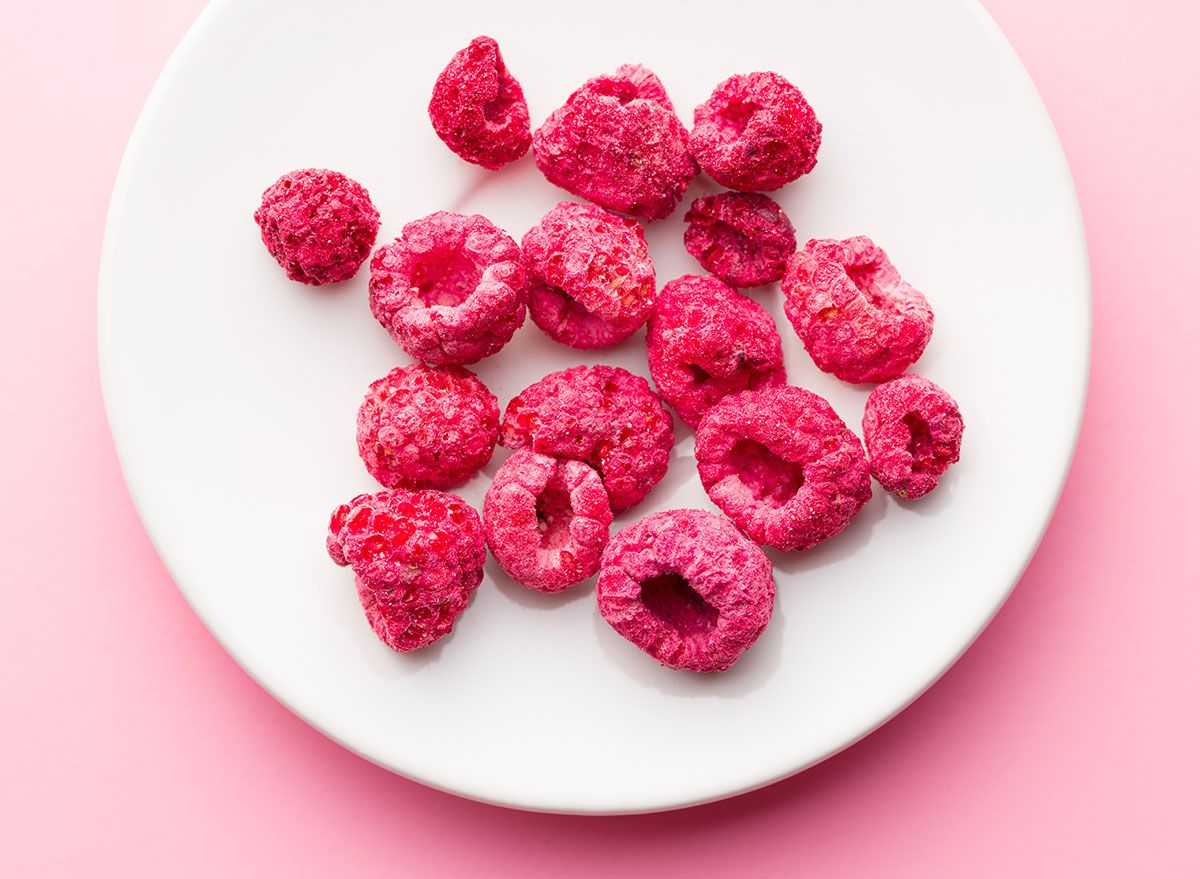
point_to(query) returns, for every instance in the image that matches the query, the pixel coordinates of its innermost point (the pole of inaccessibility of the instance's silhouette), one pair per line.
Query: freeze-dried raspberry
(706, 341)
(417, 557)
(319, 225)
(450, 289)
(743, 238)
(427, 427)
(618, 142)
(687, 588)
(591, 281)
(913, 431)
(755, 133)
(856, 317)
(602, 415)
(478, 109)
(546, 520)
(782, 465)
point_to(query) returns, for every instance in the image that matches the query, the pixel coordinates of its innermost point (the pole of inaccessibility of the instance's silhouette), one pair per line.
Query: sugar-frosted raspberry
(744, 238)
(319, 225)
(591, 281)
(856, 317)
(602, 415)
(450, 289)
(546, 520)
(706, 341)
(478, 109)
(427, 427)
(782, 465)
(913, 432)
(687, 588)
(755, 133)
(618, 142)
(417, 558)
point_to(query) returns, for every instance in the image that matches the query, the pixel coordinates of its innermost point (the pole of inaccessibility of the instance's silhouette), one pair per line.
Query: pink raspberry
(706, 341)
(417, 559)
(319, 225)
(913, 432)
(546, 520)
(782, 465)
(743, 238)
(755, 133)
(450, 289)
(602, 415)
(478, 109)
(591, 281)
(427, 427)
(687, 588)
(856, 317)
(618, 142)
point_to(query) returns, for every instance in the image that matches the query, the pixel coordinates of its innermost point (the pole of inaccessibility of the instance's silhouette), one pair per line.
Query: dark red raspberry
(743, 238)
(913, 431)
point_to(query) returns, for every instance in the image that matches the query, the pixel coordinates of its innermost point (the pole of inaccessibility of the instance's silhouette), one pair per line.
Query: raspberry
(478, 109)
(546, 520)
(591, 282)
(602, 415)
(319, 225)
(427, 427)
(743, 238)
(913, 432)
(687, 588)
(417, 558)
(450, 289)
(755, 133)
(705, 341)
(857, 318)
(782, 465)
(618, 142)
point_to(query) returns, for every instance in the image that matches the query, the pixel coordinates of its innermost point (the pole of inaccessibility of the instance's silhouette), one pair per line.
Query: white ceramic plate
(232, 391)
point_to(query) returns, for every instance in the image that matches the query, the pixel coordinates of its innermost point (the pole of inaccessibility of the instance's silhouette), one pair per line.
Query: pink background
(1063, 744)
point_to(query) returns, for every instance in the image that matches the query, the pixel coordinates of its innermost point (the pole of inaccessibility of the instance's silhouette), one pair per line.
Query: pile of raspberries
(691, 588)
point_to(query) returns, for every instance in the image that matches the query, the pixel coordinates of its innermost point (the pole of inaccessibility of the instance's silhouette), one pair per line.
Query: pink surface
(1063, 744)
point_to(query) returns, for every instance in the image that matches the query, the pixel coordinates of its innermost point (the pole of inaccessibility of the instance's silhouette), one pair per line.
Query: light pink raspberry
(913, 431)
(743, 238)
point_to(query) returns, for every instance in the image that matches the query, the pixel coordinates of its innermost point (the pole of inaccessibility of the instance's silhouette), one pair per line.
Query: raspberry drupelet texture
(744, 238)
(546, 520)
(618, 142)
(706, 341)
(427, 427)
(856, 317)
(755, 133)
(590, 278)
(319, 225)
(450, 289)
(913, 432)
(602, 415)
(783, 466)
(687, 588)
(417, 558)
(478, 109)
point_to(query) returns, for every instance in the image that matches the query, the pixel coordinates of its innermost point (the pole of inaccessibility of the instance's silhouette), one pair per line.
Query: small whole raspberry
(546, 520)
(602, 415)
(618, 142)
(744, 238)
(319, 225)
(427, 427)
(913, 432)
(857, 319)
(706, 341)
(591, 281)
(685, 587)
(478, 109)
(755, 133)
(782, 465)
(450, 289)
(417, 558)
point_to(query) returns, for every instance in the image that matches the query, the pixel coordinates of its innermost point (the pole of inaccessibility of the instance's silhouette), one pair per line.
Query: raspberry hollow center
(554, 514)
(671, 598)
(920, 443)
(771, 479)
(735, 116)
(445, 277)
(864, 278)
